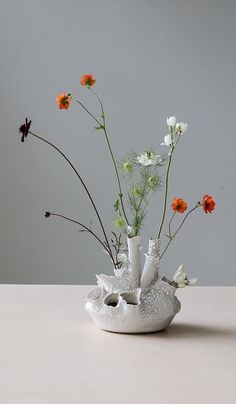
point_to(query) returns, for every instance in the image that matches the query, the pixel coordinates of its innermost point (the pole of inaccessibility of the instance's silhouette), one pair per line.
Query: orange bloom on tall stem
(87, 80)
(179, 205)
(208, 203)
(63, 100)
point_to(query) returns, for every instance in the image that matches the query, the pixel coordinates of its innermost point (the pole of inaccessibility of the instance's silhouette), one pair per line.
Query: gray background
(151, 59)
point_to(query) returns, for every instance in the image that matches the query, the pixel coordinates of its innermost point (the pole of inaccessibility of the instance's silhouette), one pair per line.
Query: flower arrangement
(134, 299)
(141, 172)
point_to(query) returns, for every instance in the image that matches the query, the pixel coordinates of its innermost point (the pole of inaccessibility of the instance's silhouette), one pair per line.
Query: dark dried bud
(47, 214)
(24, 129)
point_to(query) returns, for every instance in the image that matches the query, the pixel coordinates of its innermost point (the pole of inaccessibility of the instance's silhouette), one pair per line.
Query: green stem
(166, 192)
(82, 105)
(178, 229)
(103, 126)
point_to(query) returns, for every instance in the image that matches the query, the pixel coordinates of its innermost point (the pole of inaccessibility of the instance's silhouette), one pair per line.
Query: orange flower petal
(63, 100)
(87, 80)
(179, 205)
(208, 203)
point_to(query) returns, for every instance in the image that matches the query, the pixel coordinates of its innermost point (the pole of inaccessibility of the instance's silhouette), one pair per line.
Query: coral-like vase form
(134, 300)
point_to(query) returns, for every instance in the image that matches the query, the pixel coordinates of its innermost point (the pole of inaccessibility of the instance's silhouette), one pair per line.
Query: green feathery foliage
(143, 181)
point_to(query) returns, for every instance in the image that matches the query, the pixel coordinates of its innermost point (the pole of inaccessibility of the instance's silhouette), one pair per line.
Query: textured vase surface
(134, 300)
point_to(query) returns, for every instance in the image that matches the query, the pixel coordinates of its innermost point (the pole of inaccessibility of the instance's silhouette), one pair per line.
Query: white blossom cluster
(175, 130)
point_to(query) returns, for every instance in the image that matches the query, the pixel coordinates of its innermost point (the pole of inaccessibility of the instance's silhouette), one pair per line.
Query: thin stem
(172, 217)
(117, 176)
(103, 126)
(181, 224)
(82, 105)
(99, 100)
(84, 227)
(166, 192)
(82, 182)
(174, 144)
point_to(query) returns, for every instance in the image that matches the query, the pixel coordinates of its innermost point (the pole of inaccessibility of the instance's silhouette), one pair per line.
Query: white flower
(180, 277)
(148, 159)
(167, 140)
(171, 121)
(123, 259)
(192, 281)
(181, 127)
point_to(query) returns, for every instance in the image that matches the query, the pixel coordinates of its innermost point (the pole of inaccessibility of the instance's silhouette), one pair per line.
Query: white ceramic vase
(134, 300)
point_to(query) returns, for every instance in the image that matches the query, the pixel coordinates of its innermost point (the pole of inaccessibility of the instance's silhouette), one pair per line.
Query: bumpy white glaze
(131, 302)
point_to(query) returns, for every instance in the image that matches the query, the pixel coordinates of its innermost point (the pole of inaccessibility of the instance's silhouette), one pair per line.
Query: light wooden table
(51, 352)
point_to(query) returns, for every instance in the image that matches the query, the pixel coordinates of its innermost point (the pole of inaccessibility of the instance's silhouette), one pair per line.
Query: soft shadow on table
(184, 330)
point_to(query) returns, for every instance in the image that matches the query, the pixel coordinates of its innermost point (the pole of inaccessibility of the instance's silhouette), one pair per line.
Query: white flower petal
(181, 127)
(167, 140)
(148, 159)
(171, 121)
(179, 276)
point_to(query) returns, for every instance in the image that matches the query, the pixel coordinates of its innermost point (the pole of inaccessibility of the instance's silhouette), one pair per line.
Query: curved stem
(103, 126)
(83, 226)
(99, 100)
(82, 105)
(166, 192)
(82, 182)
(181, 224)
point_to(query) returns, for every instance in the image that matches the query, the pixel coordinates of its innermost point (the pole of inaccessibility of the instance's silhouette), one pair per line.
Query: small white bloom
(171, 121)
(181, 127)
(192, 281)
(180, 277)
(167, 140)
(148, 159)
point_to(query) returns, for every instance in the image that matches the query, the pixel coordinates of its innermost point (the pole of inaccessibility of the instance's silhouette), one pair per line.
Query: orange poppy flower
(63, 100)
(87, 80)
(179, 205)
(208, 203)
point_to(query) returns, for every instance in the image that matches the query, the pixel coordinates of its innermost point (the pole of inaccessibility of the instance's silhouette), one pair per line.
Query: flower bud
(136, 191)
(171, 121)
(128, 167)
(119, 222)
(181, 127)
(167, 141)
(153, 181)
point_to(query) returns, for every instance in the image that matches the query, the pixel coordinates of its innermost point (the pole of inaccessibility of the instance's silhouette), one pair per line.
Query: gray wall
(151, 59)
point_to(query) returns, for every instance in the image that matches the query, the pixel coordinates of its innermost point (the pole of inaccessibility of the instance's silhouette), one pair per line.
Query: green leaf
(116, 205)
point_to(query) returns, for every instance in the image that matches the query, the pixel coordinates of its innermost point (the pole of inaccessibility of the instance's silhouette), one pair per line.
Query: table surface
(51, 352)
